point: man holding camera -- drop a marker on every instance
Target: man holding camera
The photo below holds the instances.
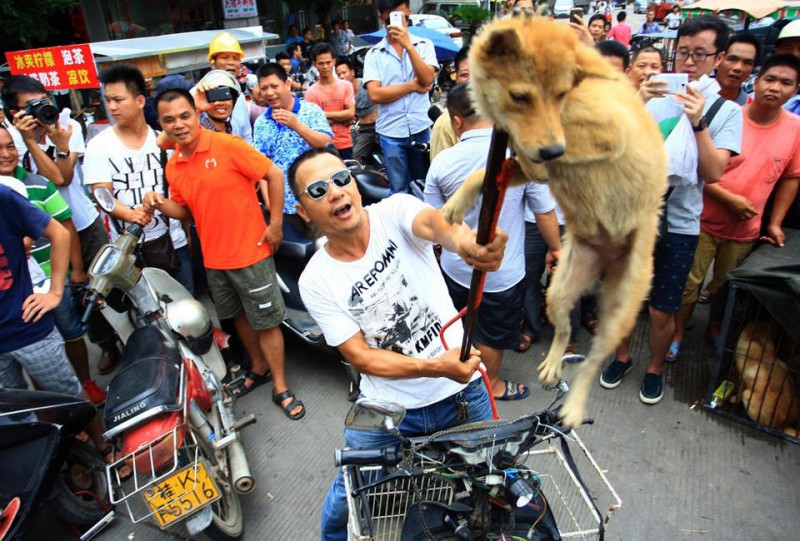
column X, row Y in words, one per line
column 53, row 152
column 398, row 72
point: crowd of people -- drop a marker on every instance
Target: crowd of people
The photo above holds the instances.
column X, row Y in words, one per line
column 212, row 156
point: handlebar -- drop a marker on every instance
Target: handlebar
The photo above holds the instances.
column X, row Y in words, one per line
column 136, row 230
column 388, row 456
column 91, row 304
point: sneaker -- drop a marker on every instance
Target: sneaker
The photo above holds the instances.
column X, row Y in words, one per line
column 97, row 396
column 613, row 374
column 652, row 390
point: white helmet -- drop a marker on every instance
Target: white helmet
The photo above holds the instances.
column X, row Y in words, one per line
column 791, row 30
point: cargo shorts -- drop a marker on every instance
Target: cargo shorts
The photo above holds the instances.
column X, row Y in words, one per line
column 253, row 290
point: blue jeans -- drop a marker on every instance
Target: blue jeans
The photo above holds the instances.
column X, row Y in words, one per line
column 185, row 276
column 403, row 162
column 417, row 422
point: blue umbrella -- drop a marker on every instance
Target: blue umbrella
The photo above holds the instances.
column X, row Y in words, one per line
column 446, row 49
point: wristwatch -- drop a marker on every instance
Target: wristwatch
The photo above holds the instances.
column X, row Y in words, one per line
column 63, row 155
column 700, row 125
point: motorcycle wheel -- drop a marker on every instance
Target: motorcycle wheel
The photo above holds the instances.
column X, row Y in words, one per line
column 227, row 518
column 82, row 471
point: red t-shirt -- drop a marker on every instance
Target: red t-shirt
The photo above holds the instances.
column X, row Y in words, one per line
column 218, row 185
column 622, row 33
column 331, row 99
column 768, row 154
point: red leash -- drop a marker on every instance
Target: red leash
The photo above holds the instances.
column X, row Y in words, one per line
column 499, row 172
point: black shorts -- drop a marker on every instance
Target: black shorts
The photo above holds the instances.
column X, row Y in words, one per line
column 499, row 315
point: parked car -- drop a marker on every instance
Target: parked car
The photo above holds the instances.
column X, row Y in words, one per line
column 438, row 23
column 561, row 8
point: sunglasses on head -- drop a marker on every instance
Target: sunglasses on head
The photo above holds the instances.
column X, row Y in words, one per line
column 319, row 188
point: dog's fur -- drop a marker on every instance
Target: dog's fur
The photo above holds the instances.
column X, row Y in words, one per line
column 536, row 81
column 766, row 387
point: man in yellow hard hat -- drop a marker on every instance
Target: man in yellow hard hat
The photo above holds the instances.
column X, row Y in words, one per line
column 225, row 53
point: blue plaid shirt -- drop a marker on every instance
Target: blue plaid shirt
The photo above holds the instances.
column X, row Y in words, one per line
column 283, row 145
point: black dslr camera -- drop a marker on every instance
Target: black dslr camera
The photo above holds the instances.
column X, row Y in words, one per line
column 42, row 110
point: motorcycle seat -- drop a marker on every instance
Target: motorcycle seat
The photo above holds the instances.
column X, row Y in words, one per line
column 295, row 245
column 149, row 379
column 372, row 185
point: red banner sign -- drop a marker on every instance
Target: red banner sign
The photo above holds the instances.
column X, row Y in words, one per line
column 57, row 68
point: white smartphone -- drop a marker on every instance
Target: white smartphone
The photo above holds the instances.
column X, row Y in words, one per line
column 676, row 82
column 396, row 18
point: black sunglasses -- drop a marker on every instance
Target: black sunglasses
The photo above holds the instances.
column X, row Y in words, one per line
column 319, row 188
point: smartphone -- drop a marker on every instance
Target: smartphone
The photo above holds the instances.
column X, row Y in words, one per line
column 576, row 15
column 221, row 93
column 397, row 18
column 676, row 82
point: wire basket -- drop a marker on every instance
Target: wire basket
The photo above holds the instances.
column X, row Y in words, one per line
column 377, row 514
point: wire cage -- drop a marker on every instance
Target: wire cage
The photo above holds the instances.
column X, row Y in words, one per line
column 756, row 380
column 579, row 509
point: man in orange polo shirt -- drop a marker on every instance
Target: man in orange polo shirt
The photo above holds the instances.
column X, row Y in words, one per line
column 213, row 176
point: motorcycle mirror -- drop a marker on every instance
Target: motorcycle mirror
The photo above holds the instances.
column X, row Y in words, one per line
column 370, row 415
column 105, row 199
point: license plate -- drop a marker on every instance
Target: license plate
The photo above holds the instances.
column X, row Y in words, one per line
column 181, row 494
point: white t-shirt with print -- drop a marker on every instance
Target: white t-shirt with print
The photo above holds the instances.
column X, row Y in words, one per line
column 84, row 212
column 395, row 295
column 132, row 173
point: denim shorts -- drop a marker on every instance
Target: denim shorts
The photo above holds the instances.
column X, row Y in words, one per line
column 68, row 315
column 672, row 262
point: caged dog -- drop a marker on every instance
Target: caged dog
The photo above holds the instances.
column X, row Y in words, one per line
column 575, row 123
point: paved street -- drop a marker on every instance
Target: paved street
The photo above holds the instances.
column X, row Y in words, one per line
column 681, row 472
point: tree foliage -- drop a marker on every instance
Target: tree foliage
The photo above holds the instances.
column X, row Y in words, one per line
column 30, row 23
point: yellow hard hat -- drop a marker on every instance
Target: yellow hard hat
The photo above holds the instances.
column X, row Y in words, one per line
column 224, row 42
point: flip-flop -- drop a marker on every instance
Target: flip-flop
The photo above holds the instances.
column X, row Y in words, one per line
column 257, row 379
column 674, row 352
column 287, row 409
column 525, row 342
column 514, row 391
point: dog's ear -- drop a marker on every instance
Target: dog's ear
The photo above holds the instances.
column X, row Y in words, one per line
column 502, row 42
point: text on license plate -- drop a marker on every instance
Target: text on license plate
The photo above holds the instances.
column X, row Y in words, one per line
column 181, row 494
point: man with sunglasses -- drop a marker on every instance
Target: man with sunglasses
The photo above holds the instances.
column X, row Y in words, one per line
column 387, row 304
column 212, row 176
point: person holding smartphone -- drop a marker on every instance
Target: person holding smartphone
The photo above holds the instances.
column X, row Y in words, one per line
column 398, row 73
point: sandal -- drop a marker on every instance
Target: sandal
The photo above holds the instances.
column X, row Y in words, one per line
column 514, row 391
column 108, row 457
column 674, row 352
column 287, row 409
column 525, row 342
column 257, row 379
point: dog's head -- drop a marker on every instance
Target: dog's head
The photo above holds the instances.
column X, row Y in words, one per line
column 523, row 69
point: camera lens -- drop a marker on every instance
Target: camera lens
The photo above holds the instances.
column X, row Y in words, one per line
column 42, row 111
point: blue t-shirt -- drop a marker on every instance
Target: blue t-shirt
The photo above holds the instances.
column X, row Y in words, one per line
column 283, row 145
column 18, row 219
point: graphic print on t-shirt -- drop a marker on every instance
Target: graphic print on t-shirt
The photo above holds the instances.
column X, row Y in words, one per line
column 132, row 177
column 389, row 315
column 6, row 276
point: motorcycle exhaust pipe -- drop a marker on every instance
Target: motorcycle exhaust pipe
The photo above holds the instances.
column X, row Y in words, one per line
column 243, row 481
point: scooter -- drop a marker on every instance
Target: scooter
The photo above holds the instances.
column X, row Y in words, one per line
column 43, row 466
column 168, row 414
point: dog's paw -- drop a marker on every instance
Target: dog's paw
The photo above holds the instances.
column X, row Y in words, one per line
column 573, row 412
column 453, row 211
column 549, row 370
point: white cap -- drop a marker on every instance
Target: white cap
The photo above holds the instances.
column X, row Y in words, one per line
column 218, row 78
column 791, row 30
